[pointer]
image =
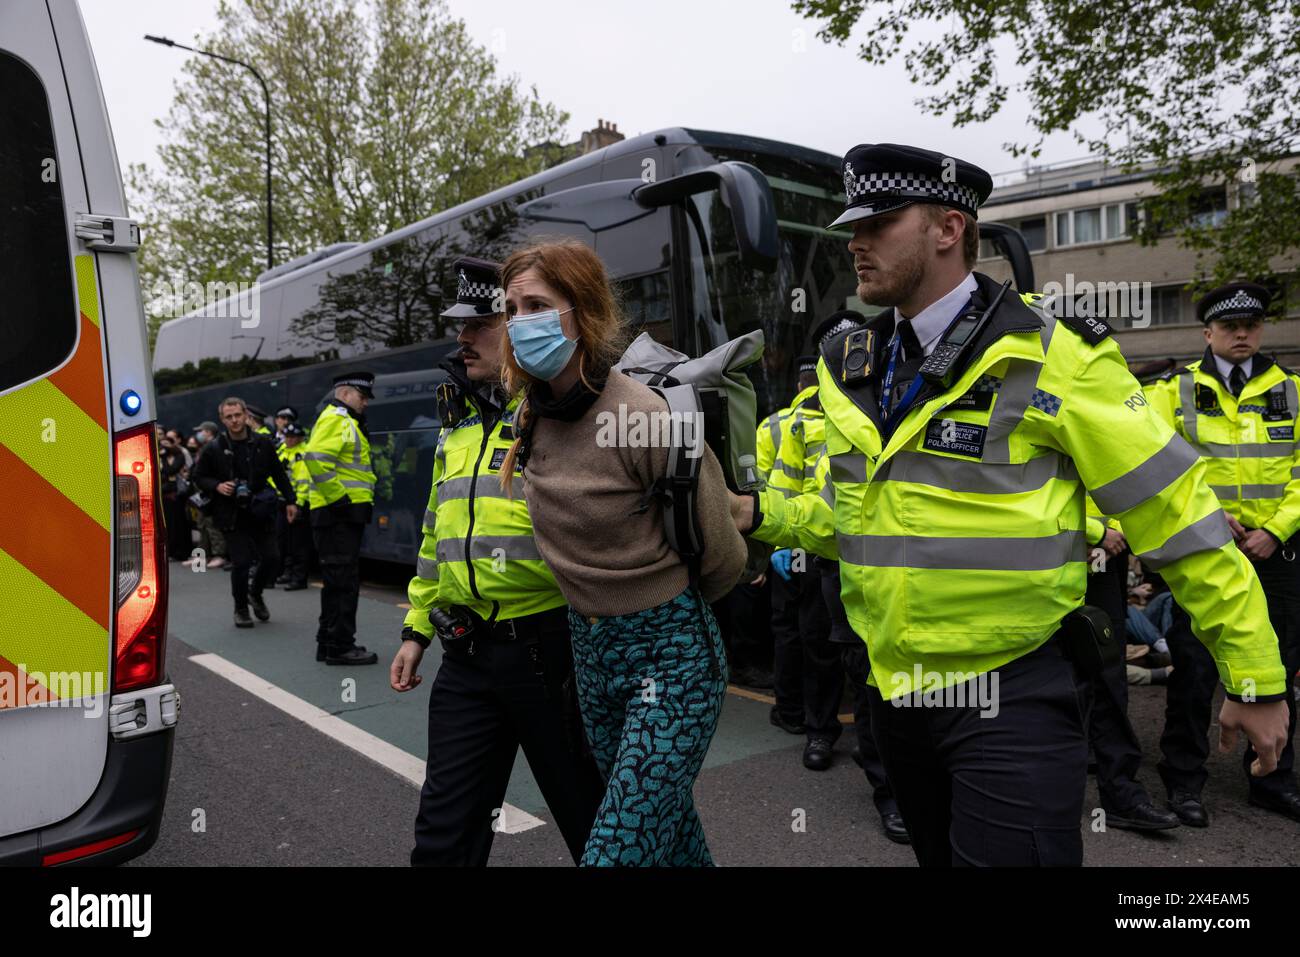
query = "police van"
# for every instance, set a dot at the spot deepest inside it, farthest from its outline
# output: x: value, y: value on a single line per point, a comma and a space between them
x: 87, y: 715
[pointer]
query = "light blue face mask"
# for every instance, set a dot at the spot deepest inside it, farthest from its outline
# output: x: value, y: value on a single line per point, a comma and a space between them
x: 541, y: 348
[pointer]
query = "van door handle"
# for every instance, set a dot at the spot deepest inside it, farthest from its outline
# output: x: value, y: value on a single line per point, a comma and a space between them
x: 108, y: 234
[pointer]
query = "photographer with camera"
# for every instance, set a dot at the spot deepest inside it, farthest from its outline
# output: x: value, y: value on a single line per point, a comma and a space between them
x: 234, y: 470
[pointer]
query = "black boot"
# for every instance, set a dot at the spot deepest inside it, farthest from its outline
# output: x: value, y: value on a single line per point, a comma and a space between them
x: 241, y: 618
x: 352, y: 655
x: 259, y: 606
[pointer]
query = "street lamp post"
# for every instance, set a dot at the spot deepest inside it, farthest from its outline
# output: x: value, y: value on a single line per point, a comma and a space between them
x: 270, y: 229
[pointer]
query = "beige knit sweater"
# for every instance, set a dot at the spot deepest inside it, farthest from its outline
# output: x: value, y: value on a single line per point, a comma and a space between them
x: 581, y: 497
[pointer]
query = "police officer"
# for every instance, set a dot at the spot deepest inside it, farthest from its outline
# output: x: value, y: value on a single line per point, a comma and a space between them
x: 955, y: 505
x: 1115, y: 744
x: 807, y: 672
x: 506, y: 677
x: 342, y: 496
x: 297, y: 550
x: 283, y: 417
x: 1240, y: 412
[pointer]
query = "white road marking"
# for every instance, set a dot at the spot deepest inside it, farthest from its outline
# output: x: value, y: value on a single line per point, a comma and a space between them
x: 511, y: 820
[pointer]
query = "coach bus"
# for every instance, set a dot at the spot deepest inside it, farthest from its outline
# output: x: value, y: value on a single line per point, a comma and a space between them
x: 706, y: 235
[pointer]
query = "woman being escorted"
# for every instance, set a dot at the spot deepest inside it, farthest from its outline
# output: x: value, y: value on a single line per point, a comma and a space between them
x: 648, y: 656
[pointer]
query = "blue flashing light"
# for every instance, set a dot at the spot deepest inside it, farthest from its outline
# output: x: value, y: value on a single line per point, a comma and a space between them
x: 131, y: 402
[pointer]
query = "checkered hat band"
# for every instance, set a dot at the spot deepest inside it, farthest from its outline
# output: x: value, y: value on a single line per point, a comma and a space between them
x: 911, y: 185
x: 1240, y: 302
x: 472, y: 292
x: 842, y: 326
x: 359, y: 383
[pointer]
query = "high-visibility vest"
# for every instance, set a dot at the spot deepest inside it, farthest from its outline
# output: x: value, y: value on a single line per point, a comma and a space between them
x: 478, y: 548
x: 1248, y: 442
x: 961, y: 536
x: 298, y: 473
x: 802, y: 437
x: 338, y: 459
x: 768, y: 441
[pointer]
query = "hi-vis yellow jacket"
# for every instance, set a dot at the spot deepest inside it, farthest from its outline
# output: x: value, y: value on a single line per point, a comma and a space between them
x: 801, y: 439
x: 961, y: 536
x: 478, y: 548
x: 338, y: 459
x: 769, y: 440
x: 296, y: 466
x: 1248, y: 442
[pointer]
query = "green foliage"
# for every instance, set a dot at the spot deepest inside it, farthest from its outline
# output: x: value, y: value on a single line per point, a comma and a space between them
x: 383, y: 113
x: 1202, y: 90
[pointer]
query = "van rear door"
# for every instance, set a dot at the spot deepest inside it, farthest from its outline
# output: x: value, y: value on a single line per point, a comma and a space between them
x: 58, y: 586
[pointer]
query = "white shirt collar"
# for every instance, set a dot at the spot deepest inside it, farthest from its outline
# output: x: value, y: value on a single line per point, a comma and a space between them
x: 929, y: 324
x: 1225, y: 367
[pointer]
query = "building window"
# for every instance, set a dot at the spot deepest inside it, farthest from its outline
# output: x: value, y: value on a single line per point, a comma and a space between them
x: 1166, y: 305
x: 1210, y: 208
x: 1035, y: 233
x: 1095, y: 224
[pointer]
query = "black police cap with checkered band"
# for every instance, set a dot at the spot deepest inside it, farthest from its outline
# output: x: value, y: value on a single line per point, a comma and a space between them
x: 1236, y: 300
x: 362, y: 381
x: 477, y: 282
x: 882, y: 177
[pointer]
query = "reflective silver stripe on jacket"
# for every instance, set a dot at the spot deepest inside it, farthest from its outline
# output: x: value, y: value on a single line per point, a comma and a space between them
x: 1009, y: 409
x: 426, y: 568
x: 1248, y: 491
x: 323, y: 477
x: 512, y: 547
x: 789, y: 470
x: 1245, y: 450
x: 774, y: 427
x: 358, y: 483
x: 980, y: 554
x: 956, y: 475
x: 828, y: 494
x: 430, y: 518
x: 1203, y: 535
x: 488, y: 487
x: 848, y: 467
x: 335, y: 460
x: 1150, y: 478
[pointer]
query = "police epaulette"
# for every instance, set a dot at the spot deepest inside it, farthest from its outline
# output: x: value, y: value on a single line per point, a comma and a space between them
x: 1091, y: 329
x: 1166, y: 376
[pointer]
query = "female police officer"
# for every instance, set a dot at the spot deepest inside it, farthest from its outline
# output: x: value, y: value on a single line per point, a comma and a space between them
x: 506, y: 673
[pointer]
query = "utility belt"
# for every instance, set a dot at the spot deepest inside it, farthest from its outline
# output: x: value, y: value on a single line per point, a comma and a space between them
x: 459, y: 628
x: 1086, y: 638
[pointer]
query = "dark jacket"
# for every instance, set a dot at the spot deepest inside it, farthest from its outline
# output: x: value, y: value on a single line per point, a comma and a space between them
x: 216, y: 464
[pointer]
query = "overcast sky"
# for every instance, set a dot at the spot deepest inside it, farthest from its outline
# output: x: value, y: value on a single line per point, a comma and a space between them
x: 741, y: 66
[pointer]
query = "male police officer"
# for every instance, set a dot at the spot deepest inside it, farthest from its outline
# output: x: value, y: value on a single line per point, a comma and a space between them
x: 342, y: 496
x: 956, y: 508
x: 506, y: 673
x: 1240, y: 411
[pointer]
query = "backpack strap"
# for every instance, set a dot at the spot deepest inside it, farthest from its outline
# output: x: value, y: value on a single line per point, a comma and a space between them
x: 676, y: 489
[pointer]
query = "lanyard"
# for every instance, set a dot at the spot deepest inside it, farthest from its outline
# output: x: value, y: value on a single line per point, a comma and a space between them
x: 894, y: 414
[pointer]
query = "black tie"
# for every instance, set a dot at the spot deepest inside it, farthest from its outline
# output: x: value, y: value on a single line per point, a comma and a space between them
x: 910, y: 357
x: 1237, y: 380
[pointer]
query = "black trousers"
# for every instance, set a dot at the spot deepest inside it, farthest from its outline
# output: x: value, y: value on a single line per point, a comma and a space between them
x: 1105, y: 700
x: 1000, y: 789
x: 1185, y: 743
x: 251, y: 542
x: 297, y: 546
x: 744, y: 617
x: 482, y: 707
x: 338, y: 545
x: 857, y: 666
x: 807, y: 672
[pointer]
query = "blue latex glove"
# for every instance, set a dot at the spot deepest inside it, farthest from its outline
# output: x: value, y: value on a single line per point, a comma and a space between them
x: 781, y: 562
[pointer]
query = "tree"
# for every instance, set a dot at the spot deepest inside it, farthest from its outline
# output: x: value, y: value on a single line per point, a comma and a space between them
x: 1204, y: 91
x: 383, y: 113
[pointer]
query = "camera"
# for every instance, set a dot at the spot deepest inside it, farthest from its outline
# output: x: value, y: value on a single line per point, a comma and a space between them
x: 448, y: 625
x: 243, y: 495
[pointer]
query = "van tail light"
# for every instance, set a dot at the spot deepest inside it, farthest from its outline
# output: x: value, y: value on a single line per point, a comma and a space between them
x: 141, y: 562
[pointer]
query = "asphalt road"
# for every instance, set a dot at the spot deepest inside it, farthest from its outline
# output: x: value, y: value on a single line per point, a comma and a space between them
x: 255, y: 784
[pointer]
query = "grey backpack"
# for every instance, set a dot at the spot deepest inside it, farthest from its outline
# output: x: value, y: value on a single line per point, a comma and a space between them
x: 710, y: 400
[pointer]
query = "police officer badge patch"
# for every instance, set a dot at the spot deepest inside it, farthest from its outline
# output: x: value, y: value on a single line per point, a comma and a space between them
x: 955, y: 438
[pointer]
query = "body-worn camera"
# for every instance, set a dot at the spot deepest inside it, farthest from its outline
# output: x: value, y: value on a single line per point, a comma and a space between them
x: 1089, y: 641
x: 243, y: 494
x: 449, y: 625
